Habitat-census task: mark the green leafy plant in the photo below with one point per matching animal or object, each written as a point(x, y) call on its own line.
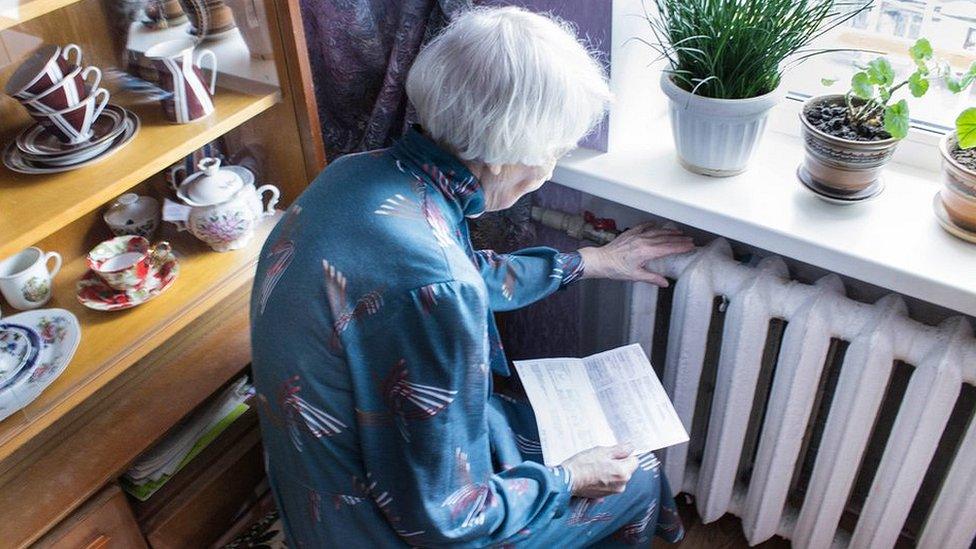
point(966, 128)
point(737, 49)
point(873, 87)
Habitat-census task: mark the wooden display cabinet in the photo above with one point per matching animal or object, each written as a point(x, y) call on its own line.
point(136, 373)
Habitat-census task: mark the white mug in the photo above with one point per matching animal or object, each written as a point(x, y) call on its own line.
point(25, 280)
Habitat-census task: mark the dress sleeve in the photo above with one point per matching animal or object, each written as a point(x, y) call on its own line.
point(422, 417)
point(521, 278)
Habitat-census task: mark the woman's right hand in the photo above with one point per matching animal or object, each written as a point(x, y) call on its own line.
point(624, 257)
point(601, 471)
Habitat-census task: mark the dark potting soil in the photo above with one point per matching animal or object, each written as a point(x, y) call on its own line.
point(832, 120)
point(966, 157)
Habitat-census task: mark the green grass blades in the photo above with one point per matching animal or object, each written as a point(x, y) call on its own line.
point(736, 49)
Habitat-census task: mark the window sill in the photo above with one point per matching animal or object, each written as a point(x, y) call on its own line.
point(893, 241)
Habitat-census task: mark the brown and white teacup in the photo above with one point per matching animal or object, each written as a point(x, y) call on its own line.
point(124, 262)
point(73, 125)
point(44, 68)
point(67, 93)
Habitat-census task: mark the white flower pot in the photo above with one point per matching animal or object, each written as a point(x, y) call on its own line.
point(716, 137)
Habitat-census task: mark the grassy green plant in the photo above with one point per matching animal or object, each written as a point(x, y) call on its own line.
point(875, 85)
point(736, 49)
point(966, 128)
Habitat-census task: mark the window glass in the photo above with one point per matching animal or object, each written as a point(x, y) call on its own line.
point(891, 27)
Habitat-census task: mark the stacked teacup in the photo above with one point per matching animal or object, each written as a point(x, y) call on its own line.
point(64, 98)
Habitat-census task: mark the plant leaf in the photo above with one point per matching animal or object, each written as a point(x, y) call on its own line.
point(918, 84)
point(880, 72)
point(953, 84)
point(828, 81)
point(861, 85)
point(966, 128)
point(966, 78)
point(921, 51)
point(896, 119)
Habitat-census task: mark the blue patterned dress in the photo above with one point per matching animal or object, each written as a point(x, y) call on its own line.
point(373, 348)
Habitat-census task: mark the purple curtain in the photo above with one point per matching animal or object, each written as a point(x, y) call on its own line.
point(360, 52)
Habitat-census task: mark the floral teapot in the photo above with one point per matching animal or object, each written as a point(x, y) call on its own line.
point(222, 207)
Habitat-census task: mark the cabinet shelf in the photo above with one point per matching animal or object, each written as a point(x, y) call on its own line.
point(35, 206)
point(15, 12)
point(113, 341)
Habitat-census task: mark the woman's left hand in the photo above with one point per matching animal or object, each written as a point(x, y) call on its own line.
point(624, 258)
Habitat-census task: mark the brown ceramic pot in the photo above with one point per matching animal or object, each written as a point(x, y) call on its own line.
point(841, 167)
point(208, 16)
point(958, 187)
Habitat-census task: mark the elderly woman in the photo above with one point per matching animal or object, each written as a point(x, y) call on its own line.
point(373, 337)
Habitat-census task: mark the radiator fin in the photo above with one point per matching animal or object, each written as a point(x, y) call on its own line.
point(819, 419)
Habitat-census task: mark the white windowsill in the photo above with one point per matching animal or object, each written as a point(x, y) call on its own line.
point(893, 241)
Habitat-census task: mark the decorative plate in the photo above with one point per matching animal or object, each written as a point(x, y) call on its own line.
point(943, 216)
point(94, 293)
point(19, 346)
point(59, 334)
point(14, 159)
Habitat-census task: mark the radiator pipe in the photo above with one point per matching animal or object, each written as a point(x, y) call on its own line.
point(600, 231)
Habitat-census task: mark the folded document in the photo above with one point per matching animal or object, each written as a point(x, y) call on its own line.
point(609, 398)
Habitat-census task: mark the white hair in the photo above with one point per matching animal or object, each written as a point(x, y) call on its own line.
point(507, 86)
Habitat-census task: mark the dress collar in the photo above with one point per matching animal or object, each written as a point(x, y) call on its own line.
point(444, 170)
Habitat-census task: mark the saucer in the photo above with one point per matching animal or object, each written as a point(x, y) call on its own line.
point(37, 141)
point(94, 293)
point(828, 195)
point(19, 346)
point(14, 158)
point(71, 158)
point(943, 216)
point(58, 333)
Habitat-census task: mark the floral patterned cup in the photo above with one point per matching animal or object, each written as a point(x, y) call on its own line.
point(124, 262)
point(25, 280)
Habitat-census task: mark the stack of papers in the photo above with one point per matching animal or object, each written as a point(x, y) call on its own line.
point(155, 467)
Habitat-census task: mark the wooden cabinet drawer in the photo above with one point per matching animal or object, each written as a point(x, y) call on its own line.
point(103, 522)
point(205, 506)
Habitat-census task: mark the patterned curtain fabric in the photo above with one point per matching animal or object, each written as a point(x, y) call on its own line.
point(360, 52)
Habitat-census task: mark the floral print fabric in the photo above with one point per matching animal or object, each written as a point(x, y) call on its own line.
point(373, 349)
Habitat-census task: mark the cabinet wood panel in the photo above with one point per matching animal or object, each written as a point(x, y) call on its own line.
point(83, 455)
point(104, 522)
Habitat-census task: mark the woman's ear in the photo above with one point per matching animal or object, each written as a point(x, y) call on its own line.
point(495, 169)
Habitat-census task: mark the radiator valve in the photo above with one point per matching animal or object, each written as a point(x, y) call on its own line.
point(581, 227)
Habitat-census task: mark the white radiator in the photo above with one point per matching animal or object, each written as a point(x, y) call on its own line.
point(944, 358)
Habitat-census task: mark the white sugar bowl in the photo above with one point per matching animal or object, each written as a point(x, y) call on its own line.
point(132, 214)
point(223, 205)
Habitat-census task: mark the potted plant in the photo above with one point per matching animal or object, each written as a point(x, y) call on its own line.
point(726, 63)
point(850, 137)
point(957, 198)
